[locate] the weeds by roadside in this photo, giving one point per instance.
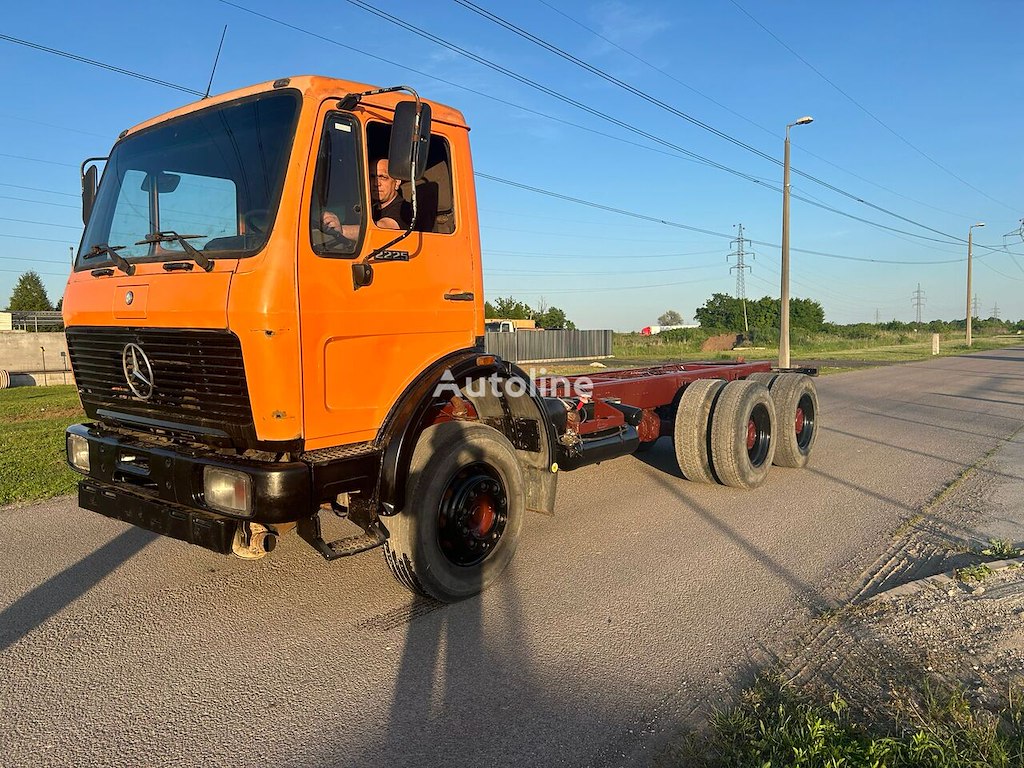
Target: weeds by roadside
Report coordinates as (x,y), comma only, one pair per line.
(1001,549)
(774,725)
(972,573)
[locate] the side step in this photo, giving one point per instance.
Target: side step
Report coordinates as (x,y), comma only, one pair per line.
(309,529)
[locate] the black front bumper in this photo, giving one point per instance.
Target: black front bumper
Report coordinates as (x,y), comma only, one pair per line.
(204,530)
(164,475)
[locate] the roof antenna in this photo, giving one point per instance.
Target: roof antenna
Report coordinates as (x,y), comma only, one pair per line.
(215,60)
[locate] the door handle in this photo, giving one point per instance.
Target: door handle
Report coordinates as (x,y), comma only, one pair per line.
(459,296)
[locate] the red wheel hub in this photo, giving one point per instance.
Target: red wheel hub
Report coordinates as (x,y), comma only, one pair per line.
(481,520)
(751,434)
(799,420)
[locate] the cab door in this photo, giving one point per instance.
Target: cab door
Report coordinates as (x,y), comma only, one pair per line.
(362,346)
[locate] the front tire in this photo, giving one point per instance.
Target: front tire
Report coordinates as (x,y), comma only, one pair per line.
(465,503)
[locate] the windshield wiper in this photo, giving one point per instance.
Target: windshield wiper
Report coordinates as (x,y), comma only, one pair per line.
(112,251)
(170,236)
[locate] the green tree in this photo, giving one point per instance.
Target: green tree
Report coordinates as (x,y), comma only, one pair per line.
(545,316)
(29,295)
(510,309)
(725,312)
(721,311)
(671,317)
(554,317)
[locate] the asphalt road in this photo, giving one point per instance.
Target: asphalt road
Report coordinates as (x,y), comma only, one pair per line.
(640,602)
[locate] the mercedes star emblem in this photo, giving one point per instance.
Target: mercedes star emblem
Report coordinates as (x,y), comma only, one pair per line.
(138,371)
(129,297)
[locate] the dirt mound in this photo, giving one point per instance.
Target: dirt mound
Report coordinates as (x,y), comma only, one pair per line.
(721,343)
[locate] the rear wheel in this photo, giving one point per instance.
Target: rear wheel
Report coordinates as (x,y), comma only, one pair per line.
(464,509)
(691,431)
(763,377)
(742,444)
(796,405)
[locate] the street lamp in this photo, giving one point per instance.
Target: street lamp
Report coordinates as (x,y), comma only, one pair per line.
(784,308)
(970,232)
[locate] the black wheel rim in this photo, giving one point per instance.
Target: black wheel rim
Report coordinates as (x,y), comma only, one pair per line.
(759,434)
(472,516)
(804,422)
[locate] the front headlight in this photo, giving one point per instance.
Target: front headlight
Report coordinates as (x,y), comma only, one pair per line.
(78,453)
(227,490)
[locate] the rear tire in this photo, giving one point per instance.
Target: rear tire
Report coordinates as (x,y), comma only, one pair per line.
(465,503)
(742,440)
(796,405)
(691,431)
(763,377)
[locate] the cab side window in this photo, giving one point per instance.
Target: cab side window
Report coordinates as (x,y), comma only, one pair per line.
(337,213)
(435,201)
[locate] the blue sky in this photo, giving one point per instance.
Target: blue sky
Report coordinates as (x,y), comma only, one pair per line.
(916,108)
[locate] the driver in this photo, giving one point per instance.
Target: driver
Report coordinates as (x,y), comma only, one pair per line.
(390,210)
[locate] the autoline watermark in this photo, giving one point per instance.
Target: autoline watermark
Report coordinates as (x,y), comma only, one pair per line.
(581,387)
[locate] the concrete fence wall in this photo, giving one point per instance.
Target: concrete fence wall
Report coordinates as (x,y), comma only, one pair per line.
(35,358)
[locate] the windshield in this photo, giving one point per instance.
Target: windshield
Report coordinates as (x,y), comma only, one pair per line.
(215,175)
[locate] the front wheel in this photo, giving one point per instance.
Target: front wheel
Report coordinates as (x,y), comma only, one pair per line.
(465,503)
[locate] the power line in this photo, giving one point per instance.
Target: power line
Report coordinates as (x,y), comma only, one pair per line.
(40,239)
(37,189)
(741,116)
(48,274)
(678,151)
(699,230)
(42,223)
(37,160)
(40,202)
(621,84)
(868,112)
(100,64)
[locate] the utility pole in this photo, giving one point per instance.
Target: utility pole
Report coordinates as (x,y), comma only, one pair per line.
(917,301)
(741,267)
(878,317)
(995,311)
(974,307)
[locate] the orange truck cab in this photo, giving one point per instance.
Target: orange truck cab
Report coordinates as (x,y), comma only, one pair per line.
(255,344)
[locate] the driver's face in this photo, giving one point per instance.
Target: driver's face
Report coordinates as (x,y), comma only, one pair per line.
(383,188)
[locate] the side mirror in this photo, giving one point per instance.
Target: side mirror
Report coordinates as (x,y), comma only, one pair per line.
(89,186)
(410,141)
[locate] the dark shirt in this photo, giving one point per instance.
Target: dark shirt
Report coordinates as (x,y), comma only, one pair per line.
(398,209)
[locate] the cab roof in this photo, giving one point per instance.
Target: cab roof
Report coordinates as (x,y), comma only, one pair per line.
(315,88)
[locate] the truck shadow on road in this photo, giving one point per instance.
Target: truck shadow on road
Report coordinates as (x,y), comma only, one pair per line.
(58,592)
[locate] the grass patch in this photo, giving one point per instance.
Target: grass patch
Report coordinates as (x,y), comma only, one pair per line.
(32,422)
(884,347)
(773,725)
